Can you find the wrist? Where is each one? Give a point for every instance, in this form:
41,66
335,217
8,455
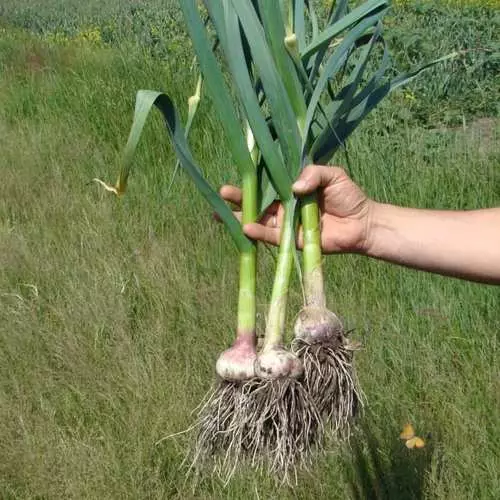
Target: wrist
373,225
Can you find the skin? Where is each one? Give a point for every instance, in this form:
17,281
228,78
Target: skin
462,244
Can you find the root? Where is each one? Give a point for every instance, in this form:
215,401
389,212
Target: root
331,381
219,430
270,425
283,426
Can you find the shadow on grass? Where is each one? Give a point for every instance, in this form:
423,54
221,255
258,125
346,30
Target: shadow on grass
381,467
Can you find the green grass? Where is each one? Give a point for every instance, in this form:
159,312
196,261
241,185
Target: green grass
112,313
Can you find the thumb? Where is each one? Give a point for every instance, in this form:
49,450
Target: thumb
316,176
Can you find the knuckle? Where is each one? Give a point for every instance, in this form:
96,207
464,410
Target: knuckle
338,171
309,170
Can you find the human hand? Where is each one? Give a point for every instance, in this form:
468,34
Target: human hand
345,211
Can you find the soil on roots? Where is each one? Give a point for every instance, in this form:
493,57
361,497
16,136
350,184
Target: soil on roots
330,379
270,425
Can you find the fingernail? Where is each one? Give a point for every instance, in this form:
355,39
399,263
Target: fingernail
300,185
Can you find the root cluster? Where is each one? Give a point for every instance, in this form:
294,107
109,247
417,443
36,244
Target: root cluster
218,426
330,380
278,425
267,424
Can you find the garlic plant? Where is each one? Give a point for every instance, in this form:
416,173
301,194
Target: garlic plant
302,87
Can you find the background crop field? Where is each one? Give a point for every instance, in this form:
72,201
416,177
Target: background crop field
112,313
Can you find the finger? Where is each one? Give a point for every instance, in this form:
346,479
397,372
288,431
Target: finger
232,194
269,220
300,239
273,216
273,208
263,233
315,176
268,234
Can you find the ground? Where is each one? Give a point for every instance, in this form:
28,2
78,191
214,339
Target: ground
112,312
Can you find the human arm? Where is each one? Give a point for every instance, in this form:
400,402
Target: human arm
463,244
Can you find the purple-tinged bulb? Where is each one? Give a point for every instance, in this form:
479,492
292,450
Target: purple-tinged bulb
276,362
315,324
238,362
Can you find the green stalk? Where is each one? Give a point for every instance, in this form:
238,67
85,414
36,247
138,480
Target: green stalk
313,273
238,362
277,309
248,261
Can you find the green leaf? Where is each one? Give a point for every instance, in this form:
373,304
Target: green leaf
327,143
313,17
267,192
299,22
337,10
329,135
345,99
241,77
144,102
272,22
334,64
193,105
216,85
323,39
284,119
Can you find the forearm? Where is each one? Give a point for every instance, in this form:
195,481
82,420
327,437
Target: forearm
464,244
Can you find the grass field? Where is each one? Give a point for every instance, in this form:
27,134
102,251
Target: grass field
112,313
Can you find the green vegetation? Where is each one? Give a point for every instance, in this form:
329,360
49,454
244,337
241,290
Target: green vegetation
112,314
